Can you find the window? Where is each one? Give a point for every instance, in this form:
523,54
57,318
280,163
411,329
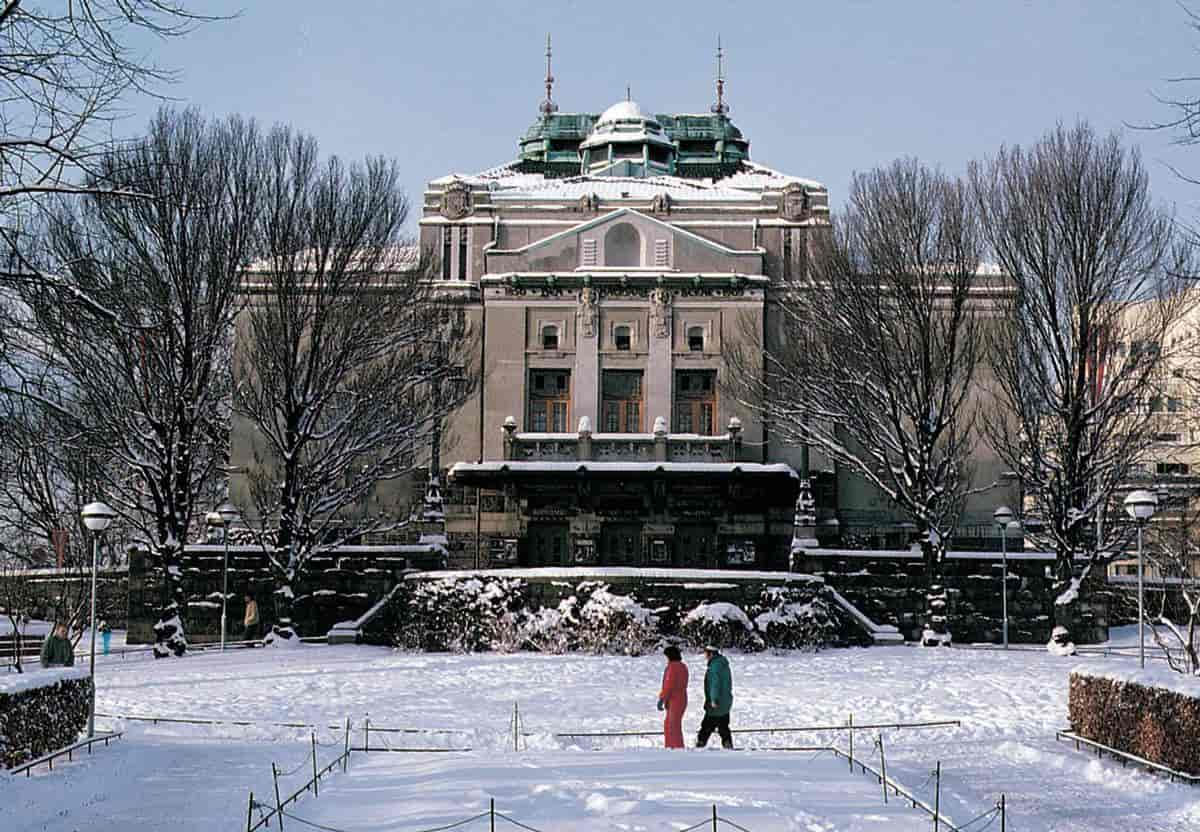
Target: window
695,401
621,408
787,253
1171,468
622,338
1174,405
549,400
462,254
622,246
695,338
1167,437
1156,404
549,337
446,232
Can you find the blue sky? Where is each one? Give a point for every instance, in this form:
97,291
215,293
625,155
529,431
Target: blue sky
821,89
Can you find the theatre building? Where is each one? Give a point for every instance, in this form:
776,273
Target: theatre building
606,274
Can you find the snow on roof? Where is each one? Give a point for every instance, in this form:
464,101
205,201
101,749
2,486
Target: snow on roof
395,258
758,177
627,187
915,554
624,467
622,110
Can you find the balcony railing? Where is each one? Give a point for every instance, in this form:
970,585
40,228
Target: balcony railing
658,446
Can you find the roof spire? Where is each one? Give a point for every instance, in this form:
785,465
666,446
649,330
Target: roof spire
628,93
548,106
720,108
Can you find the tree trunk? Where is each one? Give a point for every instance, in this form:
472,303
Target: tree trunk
1066,609
935,632
283,630
170,638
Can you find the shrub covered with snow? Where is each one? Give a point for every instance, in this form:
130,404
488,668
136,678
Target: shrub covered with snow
552,629
796,618
612,623
461,615
1154,714
41,712
722,624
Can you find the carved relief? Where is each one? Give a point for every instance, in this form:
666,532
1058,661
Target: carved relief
660,313
793,204
588,202
661,204
586,312
456,201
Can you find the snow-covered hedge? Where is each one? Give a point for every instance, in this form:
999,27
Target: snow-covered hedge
41,711
1153,713
477,613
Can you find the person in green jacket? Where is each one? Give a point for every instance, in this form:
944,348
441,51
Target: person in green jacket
56,649
718,698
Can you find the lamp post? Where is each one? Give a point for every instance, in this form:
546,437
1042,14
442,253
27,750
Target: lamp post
224,516
97,517
1003,516
1140,505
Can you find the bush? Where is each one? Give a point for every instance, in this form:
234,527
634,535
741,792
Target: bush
796,618
1152,714
462,615
721,624
618,624
40,712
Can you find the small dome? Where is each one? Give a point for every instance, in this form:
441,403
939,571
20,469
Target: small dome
622,110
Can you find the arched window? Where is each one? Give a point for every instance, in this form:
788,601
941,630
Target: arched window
622,338
623,246
549,337
695,338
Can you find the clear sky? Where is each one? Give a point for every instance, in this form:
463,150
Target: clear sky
820,89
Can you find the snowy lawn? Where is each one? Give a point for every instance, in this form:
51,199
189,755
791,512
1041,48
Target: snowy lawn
198,776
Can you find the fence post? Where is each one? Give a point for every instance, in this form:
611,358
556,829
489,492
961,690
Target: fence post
492,813
516,720
851,723
278,803
1002,812
346,753
316,788
250,812
882,768
366,733
714,828
937,794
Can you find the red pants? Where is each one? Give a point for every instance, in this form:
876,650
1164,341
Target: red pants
673,727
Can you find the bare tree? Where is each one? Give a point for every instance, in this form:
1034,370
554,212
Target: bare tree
1096,273
344,362
878,350
149,374
1172,559
16,605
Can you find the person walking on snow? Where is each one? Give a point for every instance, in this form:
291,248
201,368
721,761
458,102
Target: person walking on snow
673,697
250,621
57,650
718,698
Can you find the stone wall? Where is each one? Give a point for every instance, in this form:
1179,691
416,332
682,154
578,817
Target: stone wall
337,587
41,711
889,587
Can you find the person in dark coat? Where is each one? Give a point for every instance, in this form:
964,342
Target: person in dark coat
57,650
718,698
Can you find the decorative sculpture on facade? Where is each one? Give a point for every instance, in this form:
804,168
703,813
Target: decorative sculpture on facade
660,312
456,201
661,204
793,204
586,314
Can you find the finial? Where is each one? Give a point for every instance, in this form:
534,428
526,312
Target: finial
628,93
720,108
548,106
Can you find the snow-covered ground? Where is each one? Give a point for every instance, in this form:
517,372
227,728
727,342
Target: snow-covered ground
199,777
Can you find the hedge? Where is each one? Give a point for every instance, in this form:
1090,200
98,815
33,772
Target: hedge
41,711
1153,714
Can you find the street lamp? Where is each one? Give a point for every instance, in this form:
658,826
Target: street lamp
1003,516
1141,505
224,516
97,517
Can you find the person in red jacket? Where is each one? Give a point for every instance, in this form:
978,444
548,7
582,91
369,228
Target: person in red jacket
673,697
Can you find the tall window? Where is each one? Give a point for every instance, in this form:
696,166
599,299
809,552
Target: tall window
549,337
621,408
695,338
462,254
446,232
549,400
695,401
787,253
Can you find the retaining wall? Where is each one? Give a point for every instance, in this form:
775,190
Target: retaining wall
41,711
